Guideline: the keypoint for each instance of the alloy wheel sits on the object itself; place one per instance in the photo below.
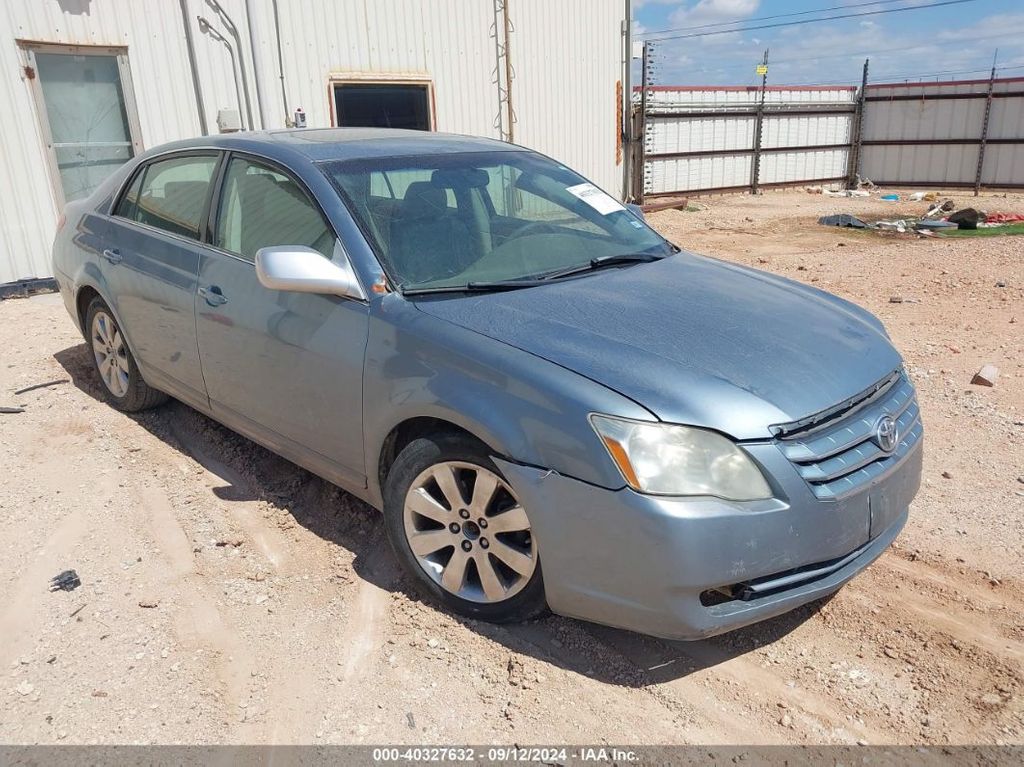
(469, 532)
(111, 354)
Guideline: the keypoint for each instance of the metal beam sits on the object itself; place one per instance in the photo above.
(755, 171)
(984, 127)
(857, 132)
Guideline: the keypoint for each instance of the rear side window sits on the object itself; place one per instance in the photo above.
(170, 195)
(261, 207)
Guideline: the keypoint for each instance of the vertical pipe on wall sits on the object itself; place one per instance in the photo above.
(257, 71)
(233, 31)
(509, 74)
(626, 127)
(191, 47)
(280, 64)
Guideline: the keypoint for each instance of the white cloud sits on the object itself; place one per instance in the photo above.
(713, 12)
(835, 53)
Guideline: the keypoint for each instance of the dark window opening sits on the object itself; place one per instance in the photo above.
(359, 105)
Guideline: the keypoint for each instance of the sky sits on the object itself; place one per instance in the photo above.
(924, 43)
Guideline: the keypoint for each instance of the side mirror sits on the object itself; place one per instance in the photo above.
(636, 210)
(303, 270)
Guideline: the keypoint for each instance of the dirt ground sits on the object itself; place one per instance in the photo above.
(228, 596)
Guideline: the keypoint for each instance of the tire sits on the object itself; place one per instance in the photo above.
(121, 382)
(471, 539)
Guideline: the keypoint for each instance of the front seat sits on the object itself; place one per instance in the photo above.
(428, 241)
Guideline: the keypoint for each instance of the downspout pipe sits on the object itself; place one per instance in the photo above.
(280, 64)
(257, 71)
(627, 101)
(190, 44)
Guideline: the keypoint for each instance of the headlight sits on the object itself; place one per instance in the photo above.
(663, 459)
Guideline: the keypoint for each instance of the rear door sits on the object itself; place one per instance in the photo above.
(151, 265)
(285, 368)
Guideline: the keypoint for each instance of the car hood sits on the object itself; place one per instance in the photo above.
(692, 339)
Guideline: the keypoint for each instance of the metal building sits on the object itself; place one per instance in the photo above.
(87, 84)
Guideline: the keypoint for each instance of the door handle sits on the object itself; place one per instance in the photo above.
(113, 255)
(213, 296)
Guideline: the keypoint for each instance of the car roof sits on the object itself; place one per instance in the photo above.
(325, 144)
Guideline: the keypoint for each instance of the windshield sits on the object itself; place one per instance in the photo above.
(474, 218)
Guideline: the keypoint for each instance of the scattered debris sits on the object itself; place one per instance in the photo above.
(846, 193)
(149, 602)
(12, 410)
(844, 220)
(890, 197)
(234, 542)
(947, 475)
(967, 218)
(986, 376)
(410, 720)
(1000, 283)
(65, 581)
(994, 218)
(892, 226)
(934, 224)
(939, 208)
(78, 609)
(25, 688)
(43, 385)
(895, 299)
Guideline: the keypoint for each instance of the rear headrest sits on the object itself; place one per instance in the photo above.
(424, 200)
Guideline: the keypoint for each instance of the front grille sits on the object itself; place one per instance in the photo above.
(838, 454)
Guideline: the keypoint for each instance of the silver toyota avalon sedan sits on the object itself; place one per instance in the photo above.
(552, 406)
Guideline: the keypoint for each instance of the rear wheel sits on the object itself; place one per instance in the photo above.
(460, 531)
(123, 386)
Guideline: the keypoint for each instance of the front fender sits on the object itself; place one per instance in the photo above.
(526, 409)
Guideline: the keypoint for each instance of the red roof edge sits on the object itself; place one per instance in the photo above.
(997, 81)
(748, 88)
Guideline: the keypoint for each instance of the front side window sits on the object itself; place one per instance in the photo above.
(170, 194)
(452, 220)
(261, 207)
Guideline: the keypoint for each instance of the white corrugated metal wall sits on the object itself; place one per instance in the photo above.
(566, 59)
(703, 138)
(930, 133)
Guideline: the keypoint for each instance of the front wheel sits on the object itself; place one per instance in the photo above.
(459, 530)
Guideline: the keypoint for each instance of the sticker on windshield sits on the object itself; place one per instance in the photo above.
(600, 201)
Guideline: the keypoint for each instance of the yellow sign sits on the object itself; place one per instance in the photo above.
(762, 69)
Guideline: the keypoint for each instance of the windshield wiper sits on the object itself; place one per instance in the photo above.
(599, 263)
(474, 287)
(538, 279)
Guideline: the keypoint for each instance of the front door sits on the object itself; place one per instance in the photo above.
(285, 368)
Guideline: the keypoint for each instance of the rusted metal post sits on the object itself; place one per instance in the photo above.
(645, 78)
(857, 132)
(984, 127)
(755, 171)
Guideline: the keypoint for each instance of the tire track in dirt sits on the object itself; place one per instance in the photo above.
(726, 675)
(198, 623)
(709, 719)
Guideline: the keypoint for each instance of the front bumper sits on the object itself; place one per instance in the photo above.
(642, 563)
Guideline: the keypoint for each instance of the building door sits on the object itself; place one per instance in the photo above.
(383, 105)
(86, 111)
